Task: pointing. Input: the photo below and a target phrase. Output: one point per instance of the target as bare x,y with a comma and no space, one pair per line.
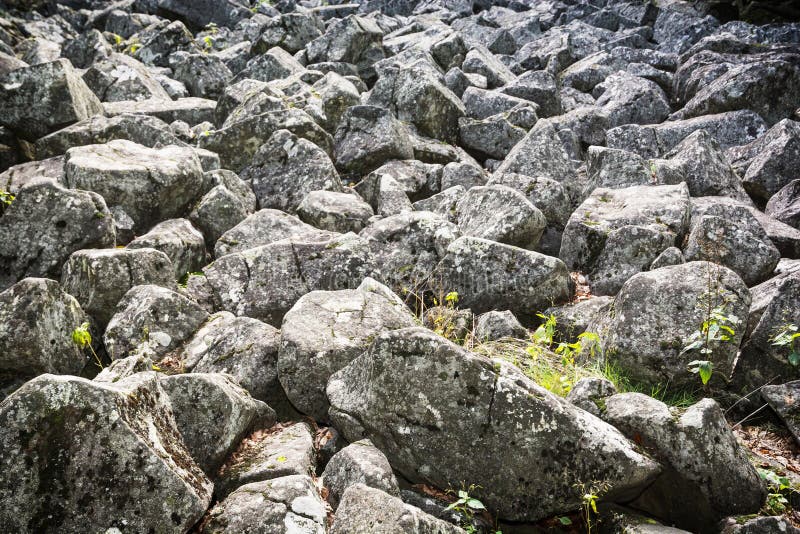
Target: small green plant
778,486
83,339
717,328
444,322
590,494
6,197
208,43
789,337
467,506
117,39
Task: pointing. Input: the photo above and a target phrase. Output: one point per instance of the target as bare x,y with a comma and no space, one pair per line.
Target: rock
353,39
335,212
775,305
201,12
76,440
415,94
37,319
548,195
731,236
358,463
147,131
262,228
204,75
617,233
369,136
655,314
481,61
414,179
121,369
190,110
485,276
366,509
769,87
266,281
495,325
324,331
499,213
120,78
275,64
151,185
768,163
785,204
627,99
286,168
180,241
46,223
218,211
151,315
729,129
539,87
408,246
161,40
280,451
427,380
493,137
540,153
785,401
238,143
443,203
670,256
336,95
286,504
758,525
290,31
99,278
576,318
623,520
482,104
40,99
462,174
590,394
701,457
213,414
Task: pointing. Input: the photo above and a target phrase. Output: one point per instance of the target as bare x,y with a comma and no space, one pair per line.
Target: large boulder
540,153
486,275
200,12
67,450
183,244
152,315
324,331
707,474
353,39
617,233
40,99
656,313
784,205
369,136
262,228
44,224
99,278
266,281
412,387
37,319
213,414
151,185
358,463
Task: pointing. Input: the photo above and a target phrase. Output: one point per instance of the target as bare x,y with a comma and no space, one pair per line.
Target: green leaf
81,336
463,494
281,459
566,521
794,358
475,504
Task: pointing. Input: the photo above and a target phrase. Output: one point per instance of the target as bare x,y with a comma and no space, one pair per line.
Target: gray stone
80,440
481,61
99,278
367,137
151,185
627,99
655,314
495,325
204,75
262,228
286,504
353,39
159,42
286,168
366,509
670,256
280,451
120,78
404,394
201,12
707,474
785,401
45,224
493,276
275,64
758,525
501,214
358,463
213,414
540,153
324,331
180,241
290,31
784,205
493,137
548,195
152,315
266,281
190,110
590,394
335,212
217,212
539,87
40,99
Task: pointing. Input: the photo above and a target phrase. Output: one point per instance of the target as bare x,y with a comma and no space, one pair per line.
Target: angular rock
785,204
40,99
262,228
151,185
151,315
180,241
353,39
540,153
99,278
290,31
627,99
204,75
76,440
213,414
499,213
759,525
190,110
120,78
493,137
426,380
275,64
46,223
655,314
324,331
369,136
286,504
358,463
161,40
590,394
335,212
286,168
201,12
707,474
539,87
495,325
266,281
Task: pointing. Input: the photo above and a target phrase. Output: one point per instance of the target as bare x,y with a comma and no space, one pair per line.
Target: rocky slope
397,266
